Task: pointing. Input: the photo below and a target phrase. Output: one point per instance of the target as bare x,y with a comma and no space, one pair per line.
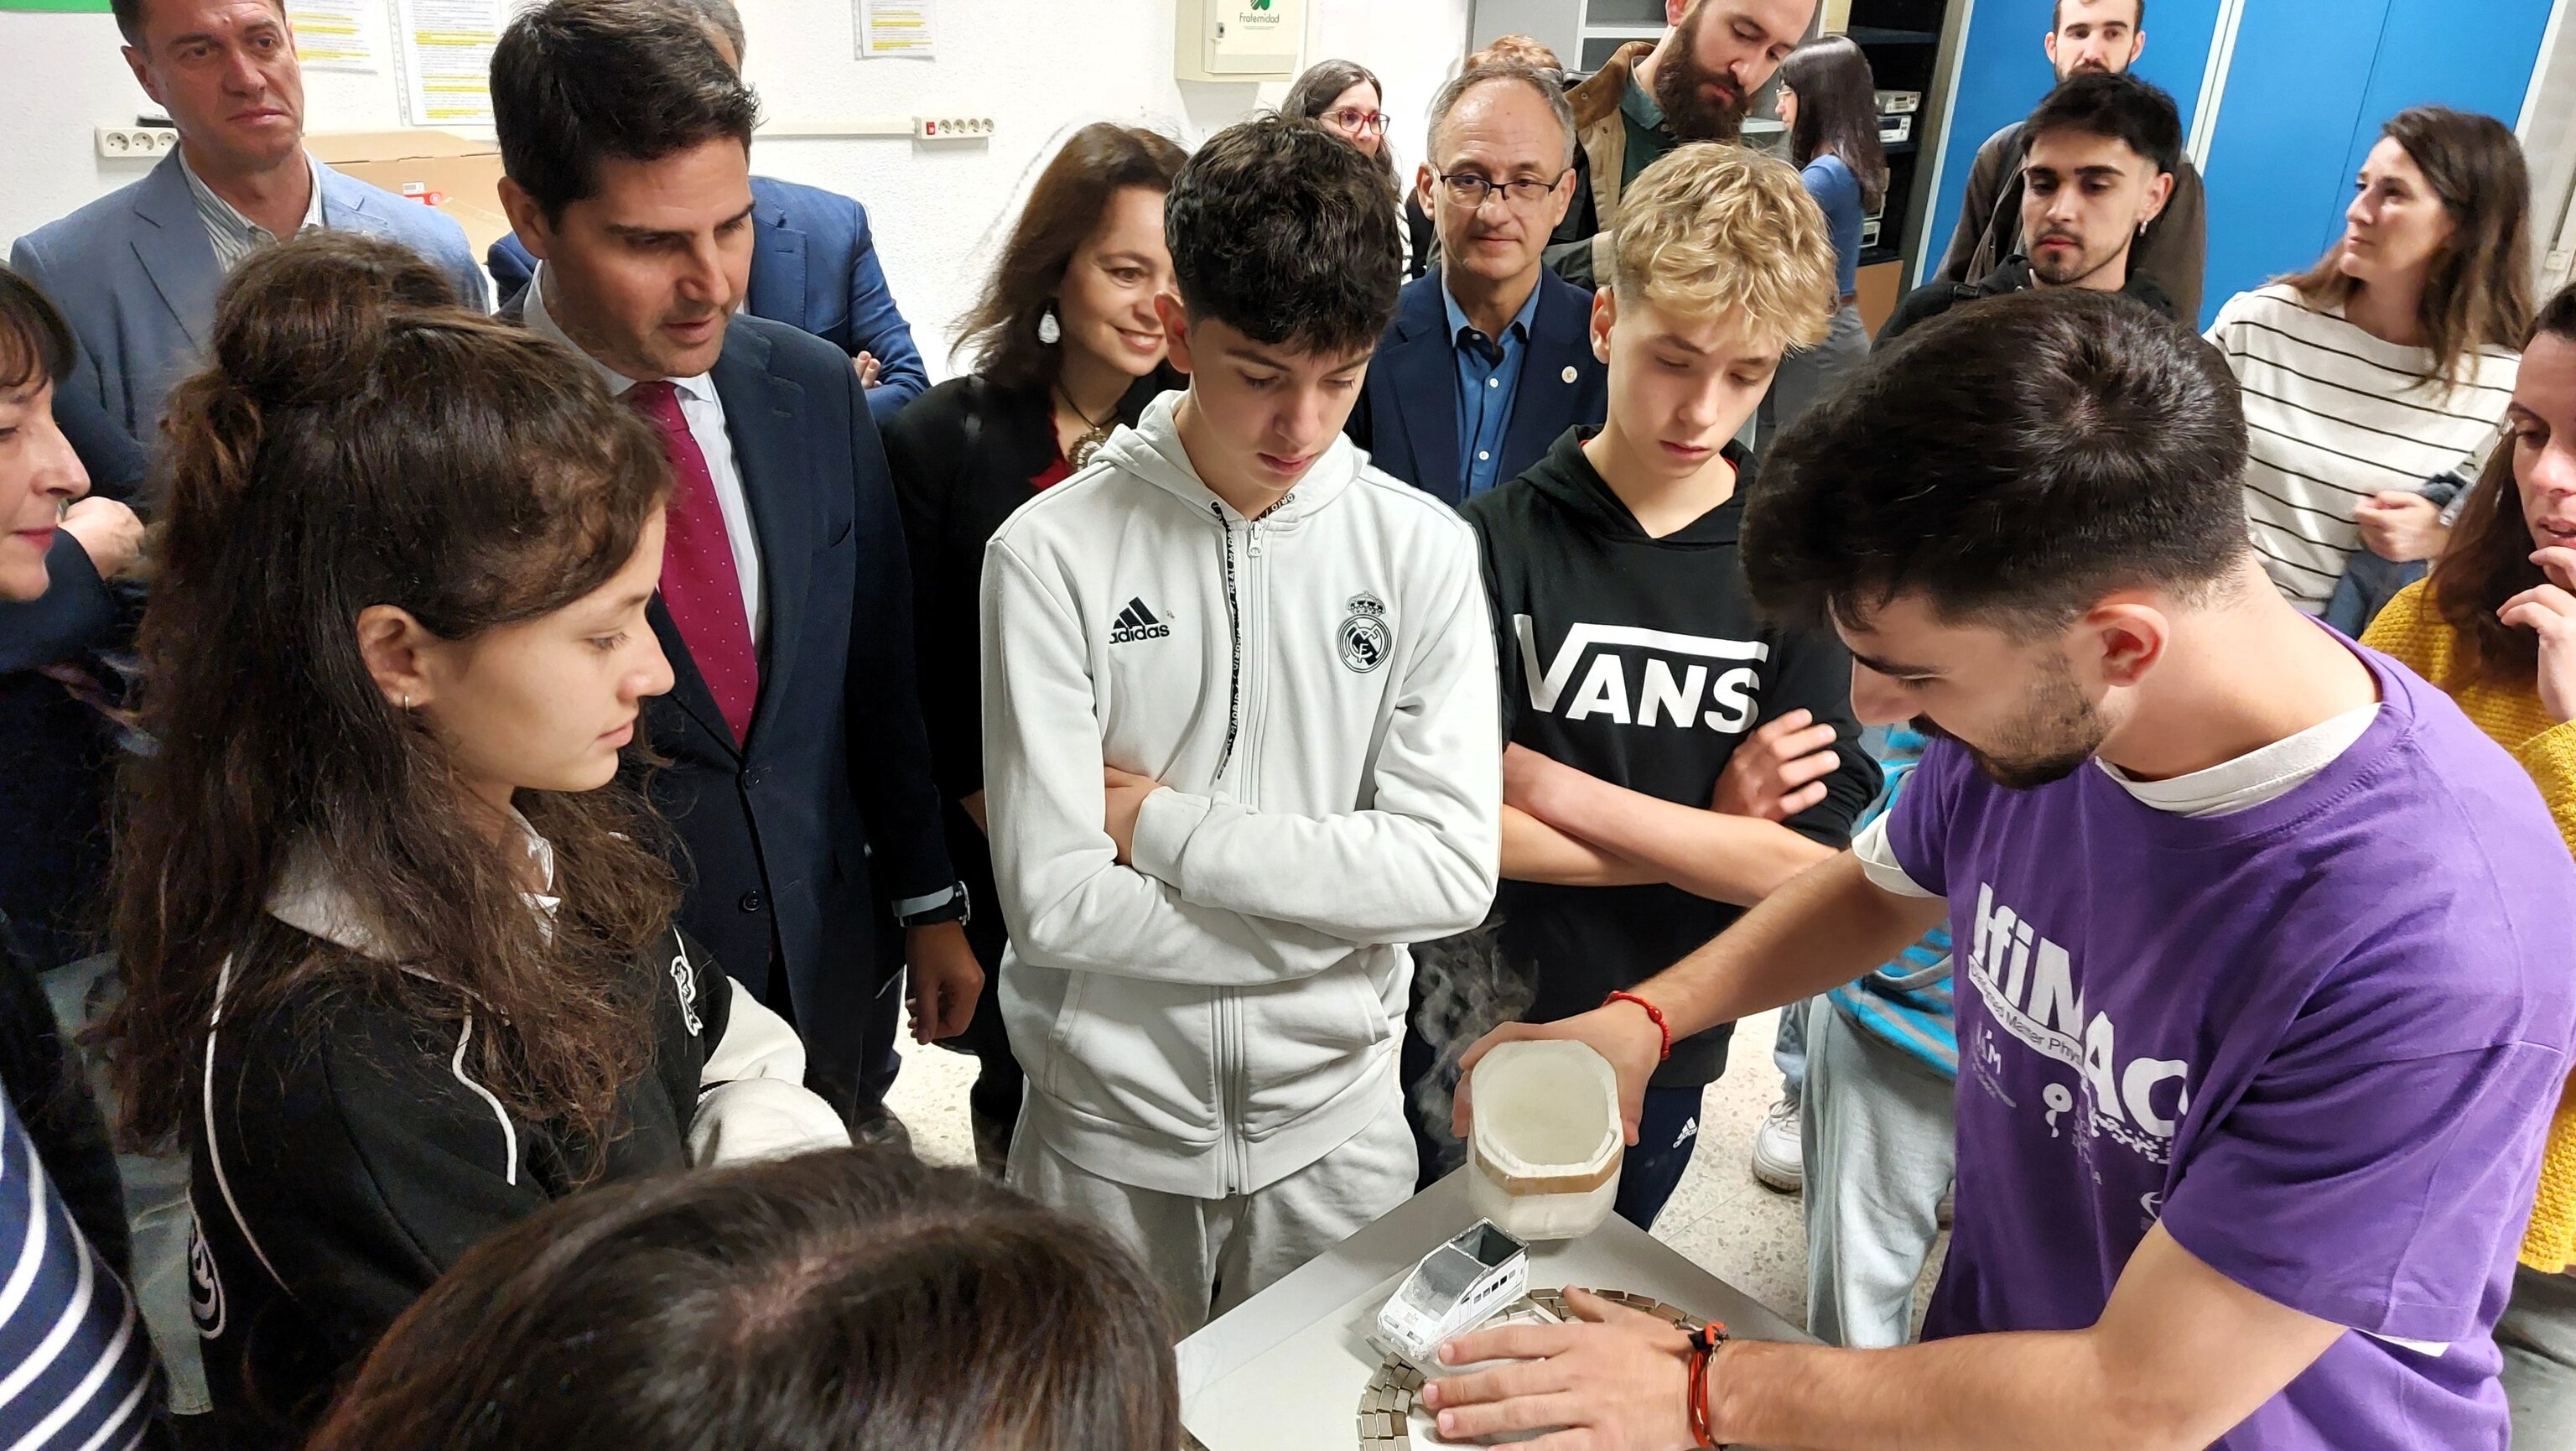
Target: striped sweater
2333,416
76,1367
2409,630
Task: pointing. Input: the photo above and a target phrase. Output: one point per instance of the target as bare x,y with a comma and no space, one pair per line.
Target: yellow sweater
2409,630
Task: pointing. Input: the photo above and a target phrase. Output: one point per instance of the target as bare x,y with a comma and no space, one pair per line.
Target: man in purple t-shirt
2267,957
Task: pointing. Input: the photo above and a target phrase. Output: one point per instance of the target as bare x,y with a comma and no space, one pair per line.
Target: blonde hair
1712,229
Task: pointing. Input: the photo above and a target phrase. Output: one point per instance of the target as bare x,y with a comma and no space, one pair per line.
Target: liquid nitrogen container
1545,1147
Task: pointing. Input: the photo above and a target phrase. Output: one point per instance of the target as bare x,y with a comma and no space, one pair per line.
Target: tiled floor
1739,1231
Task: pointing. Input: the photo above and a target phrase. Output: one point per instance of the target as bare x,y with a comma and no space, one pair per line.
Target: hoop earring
1050,332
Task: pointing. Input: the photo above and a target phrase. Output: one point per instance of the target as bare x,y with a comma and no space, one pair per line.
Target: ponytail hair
360,439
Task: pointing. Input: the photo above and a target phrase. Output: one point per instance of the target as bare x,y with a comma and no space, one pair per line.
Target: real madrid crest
1366,640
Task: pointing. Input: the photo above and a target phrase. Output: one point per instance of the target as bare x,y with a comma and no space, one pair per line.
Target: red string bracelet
1704,1343
1653,1012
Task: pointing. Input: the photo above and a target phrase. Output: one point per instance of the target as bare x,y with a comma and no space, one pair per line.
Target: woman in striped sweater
2386,366
2495,627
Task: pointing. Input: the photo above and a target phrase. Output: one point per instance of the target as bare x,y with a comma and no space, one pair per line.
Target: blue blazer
813,266
1407,416
136,277
776,834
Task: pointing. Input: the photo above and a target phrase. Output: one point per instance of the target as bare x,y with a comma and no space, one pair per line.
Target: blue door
2003,71
2311,83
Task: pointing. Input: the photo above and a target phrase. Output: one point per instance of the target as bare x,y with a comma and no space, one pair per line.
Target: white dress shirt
705,414
235,236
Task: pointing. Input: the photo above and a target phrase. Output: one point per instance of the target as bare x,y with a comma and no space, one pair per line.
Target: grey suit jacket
136,277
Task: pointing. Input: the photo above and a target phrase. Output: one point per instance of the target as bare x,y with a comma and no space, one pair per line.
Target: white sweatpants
1879,1131
1211,1255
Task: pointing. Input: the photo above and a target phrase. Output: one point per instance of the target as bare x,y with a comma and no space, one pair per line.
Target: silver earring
406,702
1050,332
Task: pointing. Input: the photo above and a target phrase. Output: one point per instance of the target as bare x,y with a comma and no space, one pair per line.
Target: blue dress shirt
1489,373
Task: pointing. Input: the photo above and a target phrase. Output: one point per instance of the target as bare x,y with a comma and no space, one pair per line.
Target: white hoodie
1317,690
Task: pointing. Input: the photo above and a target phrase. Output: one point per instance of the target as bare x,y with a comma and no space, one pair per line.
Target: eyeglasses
1352,118
1470,190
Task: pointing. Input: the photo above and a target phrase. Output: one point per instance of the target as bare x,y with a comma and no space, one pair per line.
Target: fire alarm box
1239,40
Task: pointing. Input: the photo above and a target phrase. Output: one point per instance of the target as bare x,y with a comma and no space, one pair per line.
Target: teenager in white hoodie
1241,744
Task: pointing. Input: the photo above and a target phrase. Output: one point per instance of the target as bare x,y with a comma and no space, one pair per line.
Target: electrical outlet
952,128
129,143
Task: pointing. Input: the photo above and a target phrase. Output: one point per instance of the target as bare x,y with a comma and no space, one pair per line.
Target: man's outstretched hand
1615,1380
1620,1032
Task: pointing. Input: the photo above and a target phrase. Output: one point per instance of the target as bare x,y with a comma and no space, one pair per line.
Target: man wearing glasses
1487,362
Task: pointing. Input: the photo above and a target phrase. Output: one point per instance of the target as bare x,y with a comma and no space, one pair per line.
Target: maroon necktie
699,584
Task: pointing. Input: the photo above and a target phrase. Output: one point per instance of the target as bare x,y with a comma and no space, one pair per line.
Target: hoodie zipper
1234,638
1234,620
1228,1025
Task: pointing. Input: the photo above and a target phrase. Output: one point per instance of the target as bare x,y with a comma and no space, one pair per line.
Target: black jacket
1935,298
343,1157
964,456
1576,584
783,835
44,1078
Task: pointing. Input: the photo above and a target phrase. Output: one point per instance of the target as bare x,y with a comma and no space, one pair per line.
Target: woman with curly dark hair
398,957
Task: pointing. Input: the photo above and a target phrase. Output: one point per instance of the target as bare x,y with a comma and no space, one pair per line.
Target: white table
1284,1370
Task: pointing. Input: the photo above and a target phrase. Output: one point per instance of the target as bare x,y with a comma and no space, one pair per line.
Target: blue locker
2003,72
2311,84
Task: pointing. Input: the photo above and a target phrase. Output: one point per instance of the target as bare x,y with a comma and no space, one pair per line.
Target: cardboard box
459,175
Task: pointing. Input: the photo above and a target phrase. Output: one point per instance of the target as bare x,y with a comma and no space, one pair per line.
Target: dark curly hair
2010,463
361,439
1286,233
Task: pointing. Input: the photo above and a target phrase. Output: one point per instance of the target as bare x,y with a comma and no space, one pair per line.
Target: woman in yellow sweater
2495,627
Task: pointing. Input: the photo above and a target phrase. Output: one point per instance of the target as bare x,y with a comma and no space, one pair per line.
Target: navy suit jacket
777,834
813,266
1407,416
135,276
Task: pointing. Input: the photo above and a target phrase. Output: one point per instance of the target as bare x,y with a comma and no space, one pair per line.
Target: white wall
1039,67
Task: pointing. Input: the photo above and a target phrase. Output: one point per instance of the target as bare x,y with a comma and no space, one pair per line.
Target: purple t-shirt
2320,1038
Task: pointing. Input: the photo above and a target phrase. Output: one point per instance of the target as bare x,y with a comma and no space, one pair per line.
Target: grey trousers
1807,374
1211,1255
2538,1338
1878,1128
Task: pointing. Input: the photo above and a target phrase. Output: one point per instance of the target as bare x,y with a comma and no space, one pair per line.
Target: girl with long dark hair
2495,627
1830,102
398,957
1067,349
2374,380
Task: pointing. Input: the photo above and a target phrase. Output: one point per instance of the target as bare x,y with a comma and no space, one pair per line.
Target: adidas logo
1137,623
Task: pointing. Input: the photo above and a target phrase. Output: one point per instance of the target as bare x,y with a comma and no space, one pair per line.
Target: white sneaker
1778,1160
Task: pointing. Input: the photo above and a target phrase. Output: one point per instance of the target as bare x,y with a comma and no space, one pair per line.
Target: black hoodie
1641,661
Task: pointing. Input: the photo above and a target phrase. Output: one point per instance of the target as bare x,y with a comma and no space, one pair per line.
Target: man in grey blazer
136,271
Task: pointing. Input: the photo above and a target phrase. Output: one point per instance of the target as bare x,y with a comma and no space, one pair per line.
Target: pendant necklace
1099,430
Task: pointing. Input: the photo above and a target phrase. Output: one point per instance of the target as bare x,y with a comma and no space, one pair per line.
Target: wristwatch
952,907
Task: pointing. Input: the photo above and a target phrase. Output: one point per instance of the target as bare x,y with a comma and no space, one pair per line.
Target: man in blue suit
799,768
136,271
1490,358
813,265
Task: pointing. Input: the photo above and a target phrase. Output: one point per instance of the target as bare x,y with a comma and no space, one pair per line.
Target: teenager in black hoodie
1635,672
